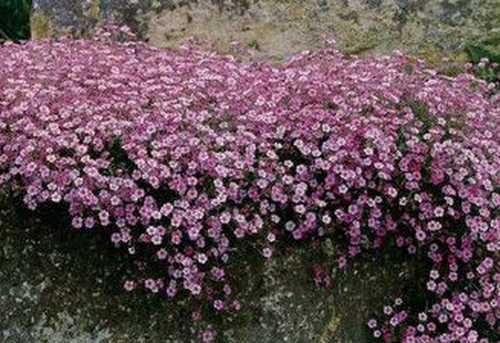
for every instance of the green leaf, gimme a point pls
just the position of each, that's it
(15, 19)
(476, 52)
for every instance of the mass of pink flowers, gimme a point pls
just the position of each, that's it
(182, 156)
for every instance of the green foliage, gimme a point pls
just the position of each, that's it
(15, 19)
(254, 45)
(488, 48)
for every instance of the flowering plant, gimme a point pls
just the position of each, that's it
(177, 155)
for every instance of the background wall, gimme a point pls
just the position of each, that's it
(277, 28)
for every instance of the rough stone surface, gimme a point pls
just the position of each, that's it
(61, 286)
(277, 28)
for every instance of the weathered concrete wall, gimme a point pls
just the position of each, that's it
(277, 28)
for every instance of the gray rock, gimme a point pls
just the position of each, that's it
(277, 28)
(61, 286)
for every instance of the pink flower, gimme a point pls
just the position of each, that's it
(129, 286)
(267, 252)
(219, 305)
(208, 336)
(186, 156)
(161, 254)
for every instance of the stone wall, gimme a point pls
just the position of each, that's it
(62, 286)
(278, 28)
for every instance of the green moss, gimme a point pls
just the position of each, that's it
(254, 44)
(331, 328)
(41, 26)
(94, 11)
